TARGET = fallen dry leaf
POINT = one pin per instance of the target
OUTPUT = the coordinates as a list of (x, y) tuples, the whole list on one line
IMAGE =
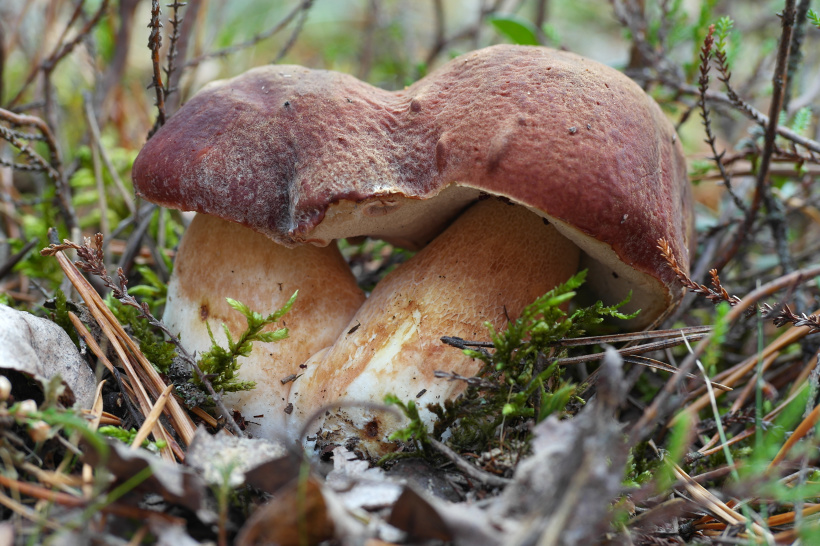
[(41, 349), (296, 516), (575, 462), (416, 517), (222, 456), (175, 483)]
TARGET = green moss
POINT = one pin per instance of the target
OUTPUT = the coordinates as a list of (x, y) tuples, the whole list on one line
[(520, 380), (221, 365)]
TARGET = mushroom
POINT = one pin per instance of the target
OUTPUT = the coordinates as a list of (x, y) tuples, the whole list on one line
[(589, 169), (218, 259)]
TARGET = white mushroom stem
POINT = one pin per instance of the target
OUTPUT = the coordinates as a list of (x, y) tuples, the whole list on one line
[(218, 260), (487, 266)]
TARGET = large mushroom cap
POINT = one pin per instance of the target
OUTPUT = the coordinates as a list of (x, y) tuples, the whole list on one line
[(310, 156)]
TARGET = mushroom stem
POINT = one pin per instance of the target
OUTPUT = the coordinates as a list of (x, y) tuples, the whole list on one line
[(487, 266), (217, 260)]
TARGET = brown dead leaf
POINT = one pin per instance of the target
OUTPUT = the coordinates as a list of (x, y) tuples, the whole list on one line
[(414, 515), (296, 516), (173, 482)]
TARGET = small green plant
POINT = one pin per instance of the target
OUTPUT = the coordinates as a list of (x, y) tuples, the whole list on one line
[(520, 379), (814, 17), (61, 316), (416, 431), (515, 28), (221, 365), (128, 436), (723, 27)]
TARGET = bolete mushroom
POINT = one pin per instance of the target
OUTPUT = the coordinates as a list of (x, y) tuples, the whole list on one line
[(218, 259), (589, 169)]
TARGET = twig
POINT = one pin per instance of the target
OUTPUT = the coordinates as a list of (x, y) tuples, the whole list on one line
[(472, 471), (716, 294), (64, 499), (442, 42), (303, 6), (94, 129), (633, 350), (53, 168), (762, 194), (16, 257), (775, 217), (297, 28), (155, 44), (750, 112), (706, 54), (175, 21), (91, 261), (633, 336), (786, 316), (796, 54), (473, 381), (61, 50)]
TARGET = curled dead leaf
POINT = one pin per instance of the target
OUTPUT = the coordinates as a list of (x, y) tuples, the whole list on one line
[(41, 349)]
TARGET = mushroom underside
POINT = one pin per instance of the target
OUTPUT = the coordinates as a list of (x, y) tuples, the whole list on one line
[(411, 222)]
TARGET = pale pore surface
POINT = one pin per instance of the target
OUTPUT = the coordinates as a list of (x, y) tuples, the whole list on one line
[(219, 259), (491, 263)]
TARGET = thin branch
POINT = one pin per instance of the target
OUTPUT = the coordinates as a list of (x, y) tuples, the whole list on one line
[(775, 217), (61, 50), (469, 32), (94, 129), (176, 22), (155, 44), (749, 111), (786, 316), (303, 6), (297, 29), (716, 294), (472, 471), (796, 53), (703, 83)]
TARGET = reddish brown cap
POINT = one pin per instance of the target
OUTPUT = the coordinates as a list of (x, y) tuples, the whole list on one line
[(309, 156)]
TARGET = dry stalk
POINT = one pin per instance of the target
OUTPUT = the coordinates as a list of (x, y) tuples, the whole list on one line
[(474, 472), (155, 44), (805, 427), (91, 261), (302, 8), (732, 376), (768, 418), (716, 294), (96, 414), (119, 339), (64, 499), (152, 418)]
